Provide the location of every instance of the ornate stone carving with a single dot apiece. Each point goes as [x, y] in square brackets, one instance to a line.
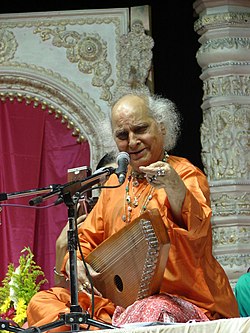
[8, 45]
[234, 260]
[88, 50]
[224, 43]
[218, 20]
[135, 56]
[70, 104]
[224, 58]
[225, 64]
[135, 59]
[33, 97]
[231, 85]
[231, 248]
[231, 236]
[234, 264]
[234, 204]
[225, 141]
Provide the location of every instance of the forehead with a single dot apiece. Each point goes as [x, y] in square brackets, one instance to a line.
[130, 110]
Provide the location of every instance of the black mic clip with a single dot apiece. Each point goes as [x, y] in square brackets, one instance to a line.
[75, 186]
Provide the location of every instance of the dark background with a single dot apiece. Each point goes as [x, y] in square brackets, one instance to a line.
[176, 72]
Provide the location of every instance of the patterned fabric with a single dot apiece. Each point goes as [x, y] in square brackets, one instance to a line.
[162, 308]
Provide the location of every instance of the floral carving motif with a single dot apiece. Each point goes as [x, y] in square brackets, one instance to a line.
[88, 50]
[221, 19]
[8, 45]
[225, 43]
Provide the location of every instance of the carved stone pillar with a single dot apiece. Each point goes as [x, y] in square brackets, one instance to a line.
[224, 57]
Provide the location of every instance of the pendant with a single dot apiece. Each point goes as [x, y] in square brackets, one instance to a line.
[128, 199]
[135, 202]
[135, 183]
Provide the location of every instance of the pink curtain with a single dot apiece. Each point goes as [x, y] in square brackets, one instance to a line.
[36, 150]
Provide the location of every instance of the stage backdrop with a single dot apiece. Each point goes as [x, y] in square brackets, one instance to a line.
[36, 149]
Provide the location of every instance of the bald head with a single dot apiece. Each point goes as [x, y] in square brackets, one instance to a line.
[129, 103]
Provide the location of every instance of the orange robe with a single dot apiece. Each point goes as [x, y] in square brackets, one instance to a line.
[191, 273]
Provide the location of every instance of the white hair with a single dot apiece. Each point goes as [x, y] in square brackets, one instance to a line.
[164, 111]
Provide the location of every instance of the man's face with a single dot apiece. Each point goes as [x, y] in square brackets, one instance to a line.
[136, 133]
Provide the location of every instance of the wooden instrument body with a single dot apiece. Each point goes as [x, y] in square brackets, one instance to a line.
[131, 262]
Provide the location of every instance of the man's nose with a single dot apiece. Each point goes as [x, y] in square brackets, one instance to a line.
[133, 140]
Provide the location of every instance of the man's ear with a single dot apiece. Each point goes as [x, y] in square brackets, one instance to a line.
[163, 128]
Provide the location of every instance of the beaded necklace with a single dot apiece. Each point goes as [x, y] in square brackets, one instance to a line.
[133, 201]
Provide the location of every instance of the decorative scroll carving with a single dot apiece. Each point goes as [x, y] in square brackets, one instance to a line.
[225, 204]
[234, 260]
[51, 19]
[89, 51]
[221, 19]
[8, 45]
[224, 43]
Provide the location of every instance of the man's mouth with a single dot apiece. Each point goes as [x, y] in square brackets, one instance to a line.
[136, 155]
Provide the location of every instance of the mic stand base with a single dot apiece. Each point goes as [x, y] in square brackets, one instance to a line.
[73, 319]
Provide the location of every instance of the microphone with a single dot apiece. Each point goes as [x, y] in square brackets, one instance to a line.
[122, 160]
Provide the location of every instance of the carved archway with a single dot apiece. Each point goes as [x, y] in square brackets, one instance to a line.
[62, 99]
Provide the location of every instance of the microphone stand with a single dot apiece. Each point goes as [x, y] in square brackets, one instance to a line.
[76, 316]
[50, 188]
[69, 193]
